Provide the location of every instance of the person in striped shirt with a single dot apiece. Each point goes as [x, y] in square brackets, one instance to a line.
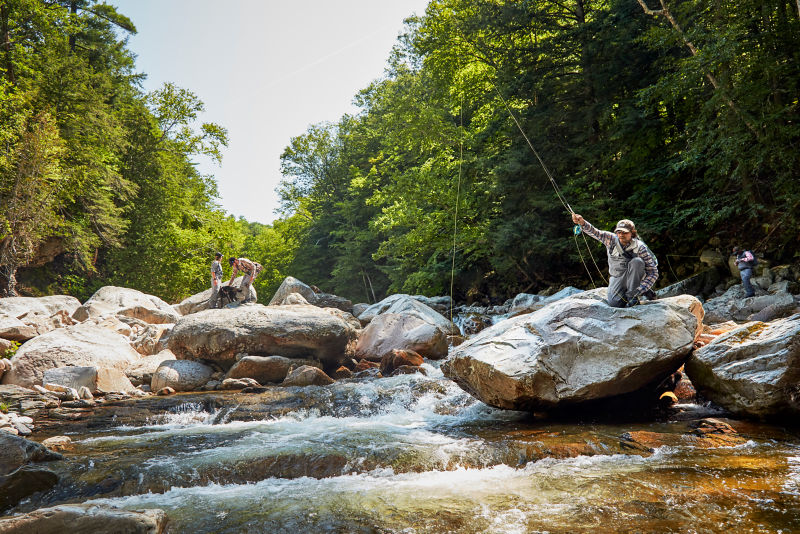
[250, 269]
[632, 267]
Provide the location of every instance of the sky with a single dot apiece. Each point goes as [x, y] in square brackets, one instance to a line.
[266, 70]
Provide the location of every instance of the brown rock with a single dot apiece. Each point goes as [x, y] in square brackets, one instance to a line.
[85, 518]
[398, 358]
[342, 372]
[165, 391]
[363, 365]
[306, 375]
[408, 370]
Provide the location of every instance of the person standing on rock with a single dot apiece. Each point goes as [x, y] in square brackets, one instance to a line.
[250, 270]
[632, 267]
[745, 262]
[216, 281]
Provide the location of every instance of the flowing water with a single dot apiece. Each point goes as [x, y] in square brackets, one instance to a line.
[415, 454]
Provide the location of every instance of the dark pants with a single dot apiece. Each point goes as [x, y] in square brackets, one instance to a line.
[747, 274]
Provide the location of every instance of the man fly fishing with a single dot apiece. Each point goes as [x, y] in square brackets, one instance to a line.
[632, 267]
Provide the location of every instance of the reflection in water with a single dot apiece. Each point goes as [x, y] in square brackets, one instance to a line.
[416, 454]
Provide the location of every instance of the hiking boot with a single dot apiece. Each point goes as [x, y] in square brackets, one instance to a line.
[650, 294]
[632, 302]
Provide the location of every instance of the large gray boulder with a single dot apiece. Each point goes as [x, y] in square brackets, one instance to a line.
[142, 371]
[401, 304]
[291, 331]
[199, 301]
[733, 305]
[527, 303]
[291, 285]
[753, 370]
[85, 518]
[390, 331]
[19, 306]
[112, 300]
[87, 345]
[181, 375]
[576, 350]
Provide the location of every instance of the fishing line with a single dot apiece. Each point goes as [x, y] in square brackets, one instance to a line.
[458, 194]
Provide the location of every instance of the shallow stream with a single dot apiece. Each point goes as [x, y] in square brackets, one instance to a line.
[415, 454]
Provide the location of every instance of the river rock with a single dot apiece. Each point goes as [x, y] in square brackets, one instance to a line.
[753, 370]
[13, 329]
[141, 371]
[733, 305]
[266, 369]
[85, 518]
[80, 345]
[701, 283]
[526, 303]
[199, 301]
[58, 443]
[322, 300]
[96, 380]
[181, 375]
[18, 479]
[399, 302]
[290, 331]
[576, 350]
[19, 306]
[238, 383]
[112, 300]
[390, 331]
[306, 375]
[399, 358]
[359, 308]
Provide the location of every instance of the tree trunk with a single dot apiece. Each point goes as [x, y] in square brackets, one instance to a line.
[73, 9]
[5, 42]
[667, 14]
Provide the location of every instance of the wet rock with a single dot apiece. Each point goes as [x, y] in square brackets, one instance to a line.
[112, 300]
[342, 373]
[475, 323]
[753, 370]
[85, 518]
[290, 331]
[685, 391]
[16, 452]
[181, 375]
[266, 369]
[391, 331]
[399, 358]
[58, 443]
[80, 345]
[22, 483]
[648, 441]
[306, 375]
[238, 383]
[372, 372]
[407, 370]
[576, 350]
[363, 365]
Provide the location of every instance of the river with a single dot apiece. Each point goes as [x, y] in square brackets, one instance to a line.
[415, 454]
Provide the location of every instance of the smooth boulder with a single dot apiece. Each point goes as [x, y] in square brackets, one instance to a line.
[733, 304]
[753, 370]
[112, 300]
[265, 369]
[87, 345]
[290, 331]
[576, 350]
[85, 518]
[199, 301]
[181, 375]
[390, 331]
[19, 306]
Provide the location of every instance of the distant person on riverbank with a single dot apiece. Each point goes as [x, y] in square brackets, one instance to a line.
[745, 262]
[632, 267]
[250, 270]
[216, 281]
